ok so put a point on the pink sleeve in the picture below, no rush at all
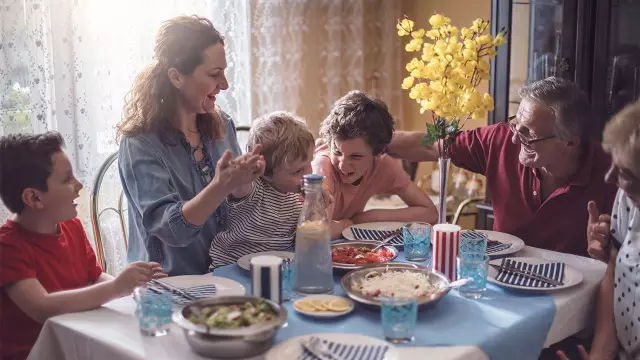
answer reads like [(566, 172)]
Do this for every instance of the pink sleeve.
[(392, 178)]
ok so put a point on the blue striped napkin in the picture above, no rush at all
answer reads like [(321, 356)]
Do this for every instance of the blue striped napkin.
[(350, 352), (494, 246), (554, 271), (199, 292), (367, 234)]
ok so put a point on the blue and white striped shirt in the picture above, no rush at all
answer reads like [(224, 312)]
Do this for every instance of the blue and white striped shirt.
[(264, 220)]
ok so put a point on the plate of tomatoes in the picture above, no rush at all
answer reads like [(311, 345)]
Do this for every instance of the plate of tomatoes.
[(351, 255)]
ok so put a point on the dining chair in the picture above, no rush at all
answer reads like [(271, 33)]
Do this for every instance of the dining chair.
[(460, 210), (108, 217), (242, 134), (411, 167)]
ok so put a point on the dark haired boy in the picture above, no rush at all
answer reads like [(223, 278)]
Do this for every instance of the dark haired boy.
[(356, 134), (47, 266)]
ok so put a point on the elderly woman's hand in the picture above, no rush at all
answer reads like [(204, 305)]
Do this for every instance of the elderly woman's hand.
[(598, 238), (240, 171)]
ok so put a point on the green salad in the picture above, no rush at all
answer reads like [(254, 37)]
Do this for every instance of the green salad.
[(234, 316)]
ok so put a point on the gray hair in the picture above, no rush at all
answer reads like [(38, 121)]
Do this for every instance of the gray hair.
[(621, 136), (569, 103)]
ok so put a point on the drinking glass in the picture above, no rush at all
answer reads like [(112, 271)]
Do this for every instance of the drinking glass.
[(287, 279), (474, 266), (417, 241), (399, 316), (153, 311), (473, 242)]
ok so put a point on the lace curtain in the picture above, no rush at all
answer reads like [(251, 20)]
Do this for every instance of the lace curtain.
[(66, 65)]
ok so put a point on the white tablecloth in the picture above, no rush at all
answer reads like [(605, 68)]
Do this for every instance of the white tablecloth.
[(111, 332)]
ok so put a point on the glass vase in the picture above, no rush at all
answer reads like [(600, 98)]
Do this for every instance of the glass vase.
[(443, 163)]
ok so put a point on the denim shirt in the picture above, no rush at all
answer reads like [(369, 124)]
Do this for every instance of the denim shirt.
[(157, 179)]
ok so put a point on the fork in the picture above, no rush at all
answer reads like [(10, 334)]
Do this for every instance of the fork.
[(173, 289)]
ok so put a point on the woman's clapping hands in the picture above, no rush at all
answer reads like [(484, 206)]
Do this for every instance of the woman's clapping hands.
[(242, 170)]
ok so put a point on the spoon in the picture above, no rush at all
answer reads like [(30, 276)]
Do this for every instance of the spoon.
[(457, 283)]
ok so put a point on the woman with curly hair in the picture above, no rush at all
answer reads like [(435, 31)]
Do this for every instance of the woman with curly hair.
[(177, 148)]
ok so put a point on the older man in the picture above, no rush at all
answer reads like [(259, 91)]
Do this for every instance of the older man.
[(541, 169)]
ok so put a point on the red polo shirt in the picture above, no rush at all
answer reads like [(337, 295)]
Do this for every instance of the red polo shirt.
[(560, 222)]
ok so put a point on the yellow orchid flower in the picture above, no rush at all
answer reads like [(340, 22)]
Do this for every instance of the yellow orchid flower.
[(407, 82), (437, 21), (499, 40), (419, 34)]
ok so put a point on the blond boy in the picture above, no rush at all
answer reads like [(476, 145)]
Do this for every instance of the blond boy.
[(264, 215)]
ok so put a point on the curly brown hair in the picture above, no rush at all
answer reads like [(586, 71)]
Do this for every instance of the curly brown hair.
[(150, 105), (358, 115)]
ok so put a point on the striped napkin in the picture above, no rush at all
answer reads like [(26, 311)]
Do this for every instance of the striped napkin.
[(350, 352), (199, 292), (368, 234), (551, 270), (494, 246)]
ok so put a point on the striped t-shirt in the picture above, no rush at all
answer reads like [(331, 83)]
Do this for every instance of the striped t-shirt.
[(264, 220)]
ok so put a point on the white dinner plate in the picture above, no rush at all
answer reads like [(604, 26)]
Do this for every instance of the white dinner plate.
[(224, 286), (324, 314), (245, 261), (572, 276), (516, 243), (292, 349)]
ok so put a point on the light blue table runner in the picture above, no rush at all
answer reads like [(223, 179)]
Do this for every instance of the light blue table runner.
[(504, 324)]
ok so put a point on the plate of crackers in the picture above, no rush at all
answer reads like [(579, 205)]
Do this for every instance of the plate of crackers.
[(325, 306)]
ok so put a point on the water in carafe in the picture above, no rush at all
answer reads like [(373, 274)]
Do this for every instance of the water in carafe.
[(313, 266)]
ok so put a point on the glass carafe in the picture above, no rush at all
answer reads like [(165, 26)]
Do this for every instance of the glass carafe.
[(312, 264)]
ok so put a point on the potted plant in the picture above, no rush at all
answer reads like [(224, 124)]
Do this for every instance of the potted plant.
[(16, 114), (444, 80)]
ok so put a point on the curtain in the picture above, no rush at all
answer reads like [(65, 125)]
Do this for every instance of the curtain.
[(66, 65), (309, 53)]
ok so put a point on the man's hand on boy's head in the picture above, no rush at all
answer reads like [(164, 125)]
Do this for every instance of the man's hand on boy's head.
[(137, 274)]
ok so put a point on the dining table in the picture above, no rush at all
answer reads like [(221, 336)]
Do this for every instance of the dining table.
[(499, 325)]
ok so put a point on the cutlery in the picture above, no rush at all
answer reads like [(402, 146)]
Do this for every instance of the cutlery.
[(527, 273), (456, 283), (173, 289), (386, 240), (315, 346)]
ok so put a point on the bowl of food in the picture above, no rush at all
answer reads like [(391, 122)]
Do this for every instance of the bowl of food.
[(230, 326), (351, 255), (367, 284)]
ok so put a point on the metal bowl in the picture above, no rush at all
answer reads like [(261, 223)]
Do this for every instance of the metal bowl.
[(364, 244), (351, 281), (229, 343)]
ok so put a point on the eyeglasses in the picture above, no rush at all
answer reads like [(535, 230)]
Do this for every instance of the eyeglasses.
[(511, 120)]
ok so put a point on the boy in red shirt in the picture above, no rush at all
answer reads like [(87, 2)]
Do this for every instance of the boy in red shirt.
[(47, 266)]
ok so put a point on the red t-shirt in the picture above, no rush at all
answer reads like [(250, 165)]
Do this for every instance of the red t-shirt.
[(60, 262), (560, 222)]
